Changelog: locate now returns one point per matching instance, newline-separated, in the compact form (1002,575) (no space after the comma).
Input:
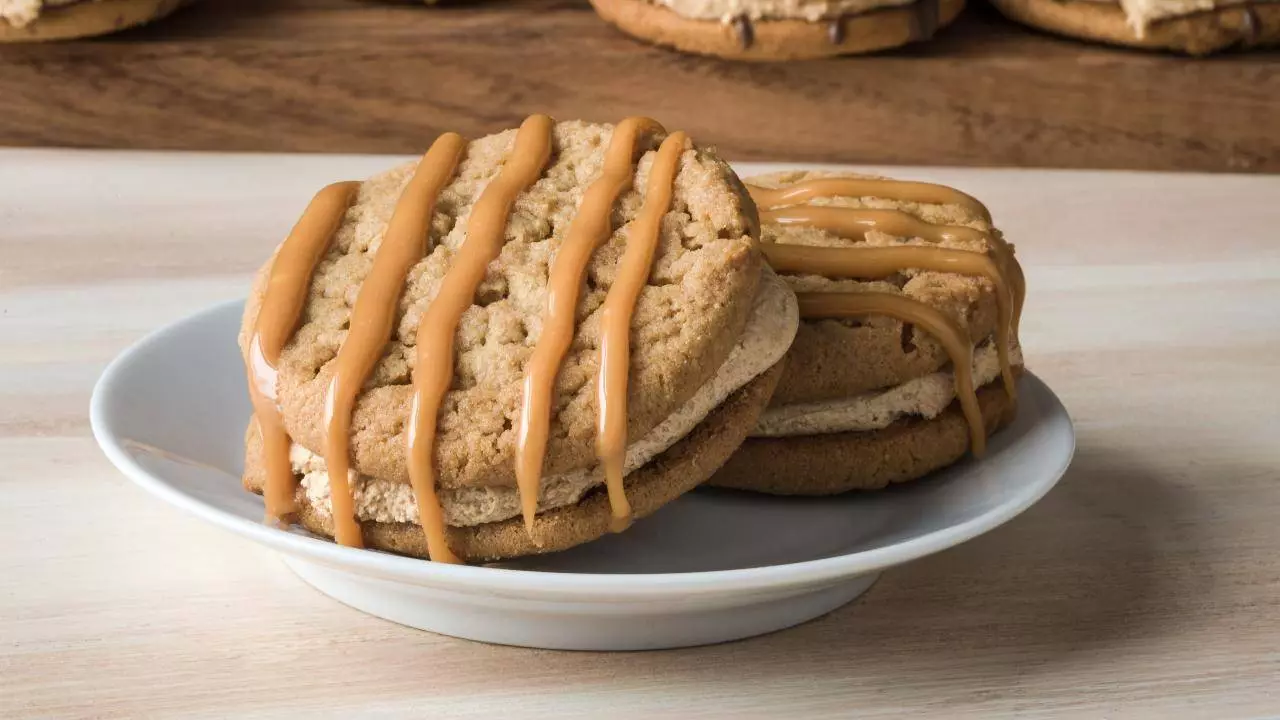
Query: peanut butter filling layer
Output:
(925,396)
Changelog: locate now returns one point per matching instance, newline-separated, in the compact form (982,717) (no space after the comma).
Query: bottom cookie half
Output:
(681,468)
(840,462)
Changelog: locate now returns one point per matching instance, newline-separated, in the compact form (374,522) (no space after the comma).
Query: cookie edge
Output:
(676,471)
(88,19)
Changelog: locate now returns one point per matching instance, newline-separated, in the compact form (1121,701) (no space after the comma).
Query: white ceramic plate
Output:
(170,412)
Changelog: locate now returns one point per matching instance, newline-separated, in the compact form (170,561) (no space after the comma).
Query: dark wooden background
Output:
(350,76)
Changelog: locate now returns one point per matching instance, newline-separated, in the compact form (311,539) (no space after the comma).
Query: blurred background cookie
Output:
(779,29)
(1197,27)
(40,20)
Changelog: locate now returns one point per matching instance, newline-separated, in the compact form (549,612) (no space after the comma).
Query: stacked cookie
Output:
(513,346)
(779,29)
(906,356)
(523,342)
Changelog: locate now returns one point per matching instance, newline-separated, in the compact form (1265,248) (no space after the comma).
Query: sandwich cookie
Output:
(779,29)
(1197,27)
(907,352)
(512,346)
(39,20)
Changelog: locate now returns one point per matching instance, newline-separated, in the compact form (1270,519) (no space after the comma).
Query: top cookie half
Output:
(687,320)
(839,358)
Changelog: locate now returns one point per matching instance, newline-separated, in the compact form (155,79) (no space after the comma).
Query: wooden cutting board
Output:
(343,75)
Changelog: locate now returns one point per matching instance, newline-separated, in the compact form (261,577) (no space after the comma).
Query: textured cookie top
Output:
(837,358)
(687,319)
(764,341)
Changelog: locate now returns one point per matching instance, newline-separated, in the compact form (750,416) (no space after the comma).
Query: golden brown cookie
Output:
(907,294)
(707,320)
(1201,33)
(681,468)
(738,37)
(836,358)
(834,463)
(687,321)
(85,18)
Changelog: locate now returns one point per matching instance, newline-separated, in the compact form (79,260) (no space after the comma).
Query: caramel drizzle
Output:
(744,30)
(902,190)
(404,243)
(773,199)
(857,222)
(590,228)
(835,30)
(615,323)
(877,262)
(872,262)
(1017,281)
(433,372)
(924,19)
(286,292)
(956,342)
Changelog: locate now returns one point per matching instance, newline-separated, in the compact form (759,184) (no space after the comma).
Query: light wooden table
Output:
(1147,584)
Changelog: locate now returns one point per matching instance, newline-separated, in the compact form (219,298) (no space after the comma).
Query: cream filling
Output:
(20,13)
(1140,14)
(923,396)
(725,11)
(766,338)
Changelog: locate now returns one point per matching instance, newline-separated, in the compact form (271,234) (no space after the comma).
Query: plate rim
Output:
(484,579)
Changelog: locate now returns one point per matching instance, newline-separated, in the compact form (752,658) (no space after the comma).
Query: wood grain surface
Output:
(349,76)
(1146,585)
